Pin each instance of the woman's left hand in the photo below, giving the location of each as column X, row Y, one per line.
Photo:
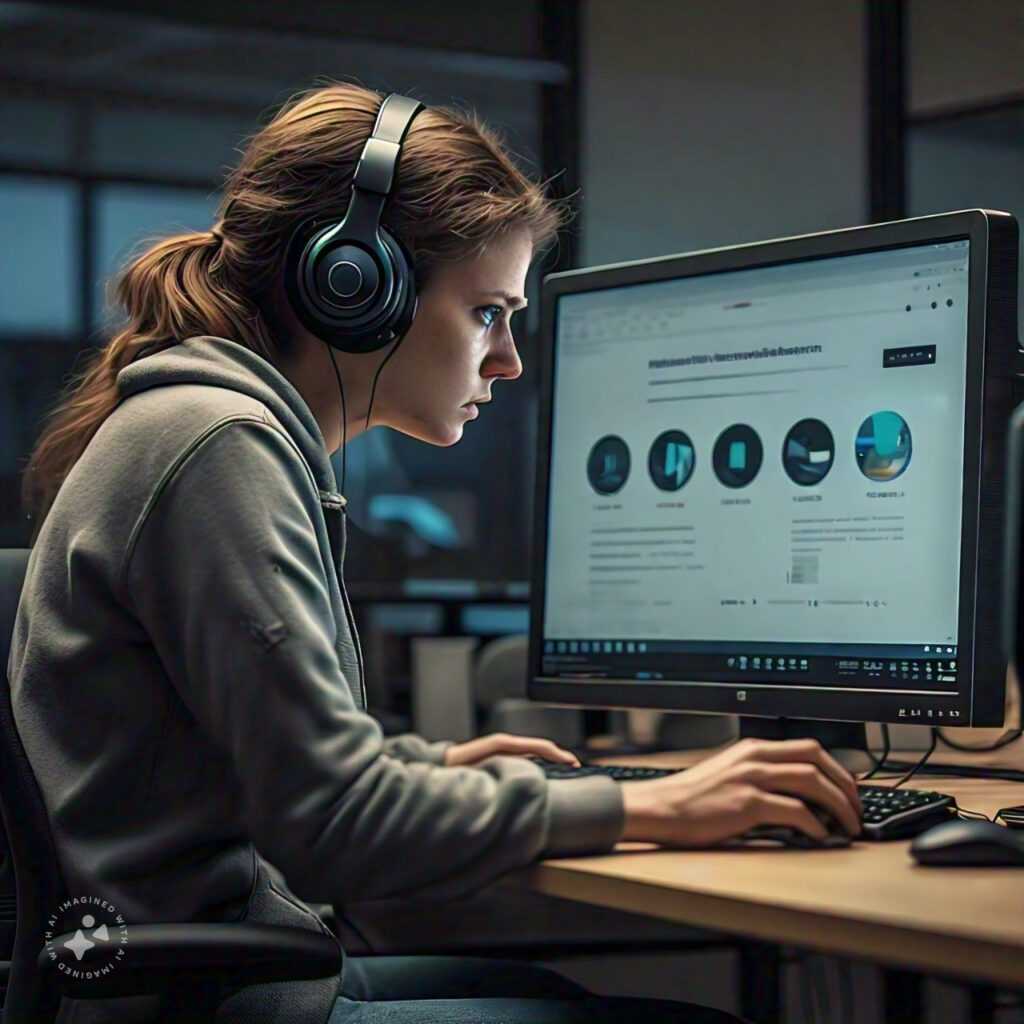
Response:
column 475, row 752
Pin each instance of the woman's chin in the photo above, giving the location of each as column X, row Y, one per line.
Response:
column 441, row 436
column 453, row 435
column 442, row 433
column 450, row 432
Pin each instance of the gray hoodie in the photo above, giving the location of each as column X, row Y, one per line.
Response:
column 187, row 682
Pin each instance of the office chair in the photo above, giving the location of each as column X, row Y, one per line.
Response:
column 189, row 966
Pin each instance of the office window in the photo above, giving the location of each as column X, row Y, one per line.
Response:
column 39, row 256
column 35, row 131
column 126, row 216
column 164, row 143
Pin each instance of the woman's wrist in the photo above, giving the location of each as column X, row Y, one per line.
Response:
column 643, row 812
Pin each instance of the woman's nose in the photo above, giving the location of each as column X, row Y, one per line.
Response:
column 505, row 361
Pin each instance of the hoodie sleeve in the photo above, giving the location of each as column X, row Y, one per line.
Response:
column 410, row 747
column 226, row 576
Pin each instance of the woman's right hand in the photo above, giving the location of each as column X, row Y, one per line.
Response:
column 753, row 782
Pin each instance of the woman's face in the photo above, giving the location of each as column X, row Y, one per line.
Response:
column 459, row 344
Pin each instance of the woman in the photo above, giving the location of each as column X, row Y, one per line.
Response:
column 184, row 671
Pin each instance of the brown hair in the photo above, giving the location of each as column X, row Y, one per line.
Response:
column 456, row 188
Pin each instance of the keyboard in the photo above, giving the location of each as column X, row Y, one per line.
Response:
column 619, row 772
column 901, row 813
column 888, row 813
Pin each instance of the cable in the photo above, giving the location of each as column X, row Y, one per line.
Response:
column 965, row 812
column 1013, row 817
column 1004, row 741
column 376, row 377
column 344, row 415
column 920, row 764
column 959, row 771
column 885, row 753
column 344, row 411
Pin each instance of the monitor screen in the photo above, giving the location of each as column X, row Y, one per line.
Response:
column 757, row 481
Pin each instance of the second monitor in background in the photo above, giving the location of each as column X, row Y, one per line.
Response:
column 771, row 478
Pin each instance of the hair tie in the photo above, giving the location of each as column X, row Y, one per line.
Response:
column 215, row 233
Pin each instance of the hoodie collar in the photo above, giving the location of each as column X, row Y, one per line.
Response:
column 226, row 364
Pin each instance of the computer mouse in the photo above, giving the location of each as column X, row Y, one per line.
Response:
column 967, row 843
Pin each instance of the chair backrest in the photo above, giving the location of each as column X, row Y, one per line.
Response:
column 39, row 890
column 13, row 563
column 8, row 607
column 499, row 689
column 500, row 670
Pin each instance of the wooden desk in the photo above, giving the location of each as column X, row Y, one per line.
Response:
column 870, row 901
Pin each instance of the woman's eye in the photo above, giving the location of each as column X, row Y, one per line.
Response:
column 490, row 313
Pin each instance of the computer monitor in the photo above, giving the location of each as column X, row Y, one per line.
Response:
column 771, row 478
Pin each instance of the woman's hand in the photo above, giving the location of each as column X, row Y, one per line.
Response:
column 753, row 782
column 475, row 752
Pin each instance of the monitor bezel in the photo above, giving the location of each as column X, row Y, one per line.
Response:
column 992, row 363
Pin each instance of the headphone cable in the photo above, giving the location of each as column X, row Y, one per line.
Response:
column 344, row 415
column 344, row 411
column 376, row 377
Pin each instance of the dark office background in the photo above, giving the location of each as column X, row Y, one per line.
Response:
column 685, row 125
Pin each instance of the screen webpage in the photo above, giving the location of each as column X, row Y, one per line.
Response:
column 763, row 461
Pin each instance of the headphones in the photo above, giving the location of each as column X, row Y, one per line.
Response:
column 350, row 281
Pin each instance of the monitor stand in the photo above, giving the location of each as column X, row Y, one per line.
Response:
column 847, row 742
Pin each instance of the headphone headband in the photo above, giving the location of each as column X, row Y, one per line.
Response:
column 375, row 171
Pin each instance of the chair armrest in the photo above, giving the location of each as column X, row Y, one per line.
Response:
column 147, row 958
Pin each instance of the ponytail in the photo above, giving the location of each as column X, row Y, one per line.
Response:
column 175, row 290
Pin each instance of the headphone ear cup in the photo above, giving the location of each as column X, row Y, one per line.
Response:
column 354, row 296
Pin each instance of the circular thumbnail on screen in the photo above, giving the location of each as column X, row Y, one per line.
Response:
column 808, row 452
column 608, row 465
column 737, row 455
column 883, row 446
column 671, row 460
